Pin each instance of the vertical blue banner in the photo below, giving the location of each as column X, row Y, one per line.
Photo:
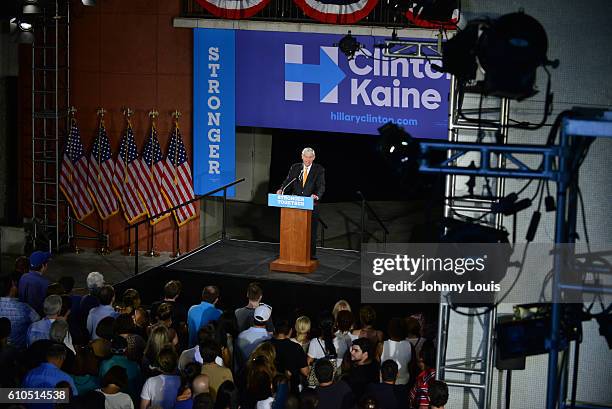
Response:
column 214, row 110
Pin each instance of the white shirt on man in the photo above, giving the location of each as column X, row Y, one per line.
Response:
column 161, row 390
column 117, row 400
column 401, row 353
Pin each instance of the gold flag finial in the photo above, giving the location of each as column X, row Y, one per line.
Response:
column 153, row 114
column 72, row 111
column 101, row 112
column 176, row 114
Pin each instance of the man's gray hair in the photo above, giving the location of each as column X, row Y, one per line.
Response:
column 308, row 152
column 58, row 331
column 95, row 280
column 52, row 305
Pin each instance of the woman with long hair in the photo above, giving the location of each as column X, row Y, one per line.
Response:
column 302, row 332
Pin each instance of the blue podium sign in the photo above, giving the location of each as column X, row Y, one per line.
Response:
column 291, row 201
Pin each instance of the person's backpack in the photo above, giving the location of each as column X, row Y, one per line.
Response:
column 312, row 380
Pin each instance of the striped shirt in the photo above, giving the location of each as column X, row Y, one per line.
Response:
column 419, row 395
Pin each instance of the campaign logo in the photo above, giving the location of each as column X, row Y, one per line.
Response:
column 326, row 74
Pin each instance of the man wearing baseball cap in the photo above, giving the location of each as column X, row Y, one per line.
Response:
column 33, row 284
column 249, row 338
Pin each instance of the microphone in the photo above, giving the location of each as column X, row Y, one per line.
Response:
column 287, row 185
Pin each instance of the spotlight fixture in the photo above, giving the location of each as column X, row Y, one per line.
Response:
column 349, row 45
column 21, row 31
column 508, row 50
column 31, row 7
column 397, row 144
column 88, row 2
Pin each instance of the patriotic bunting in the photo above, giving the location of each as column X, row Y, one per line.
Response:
column 336, row 11
column 233, row 9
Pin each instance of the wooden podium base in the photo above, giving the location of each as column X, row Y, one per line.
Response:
column 293, row 267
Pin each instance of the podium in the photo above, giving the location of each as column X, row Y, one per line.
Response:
column 295, row 230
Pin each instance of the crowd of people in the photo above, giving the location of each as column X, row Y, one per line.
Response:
column 111, row 351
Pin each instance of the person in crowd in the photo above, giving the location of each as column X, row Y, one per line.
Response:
column 203, row 313
column 290, row 357
column 48, row 373
column 84, row 373
column 171, row 293
column 95, row 281
column 33, row 284
column 398, row 348
column 113, row 382
column 388, row 393
column 131, row 300
column 227, row 396
column 203, row 401
column 244, row 315
column 106, row 296
column 344, row 324
column 263, row 358
column 419, row 394
column 309, row 399
column 217, row 374
column 413, row 334
column 52, row 308
column 341, row 305
column 302, row 332
column 327, row 344
column 159, row 337
column 193, row 354
column 332, row 395
column 226, row 332
column 76, row 329
column 162, row 390
column 256, row 334
column 20, row 314
column 59, row 333
column 364, row 367
column 22, row 266
column 124, row 327
column 438, row 394
column 141, row 322
column 279, row 394
column 8, row 356
column 164, row 315
column 184, row 400
column 367, row 320
column 119, row 358
column 367, row 402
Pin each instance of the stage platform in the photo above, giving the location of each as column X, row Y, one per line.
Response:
column 249, row 259
column 232, row 264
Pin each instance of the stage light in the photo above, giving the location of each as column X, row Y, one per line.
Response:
column 399, row 145
column 88, row 2
column 605, row 328
column 31, row 7
column 507, row 50
column 464, row 240
column 21, row 31
column 349, row 46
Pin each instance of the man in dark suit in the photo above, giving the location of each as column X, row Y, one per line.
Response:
column 307, row 179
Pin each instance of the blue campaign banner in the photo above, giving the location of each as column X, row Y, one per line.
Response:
column 214, row 110
column 302, row 81
column 292, row 201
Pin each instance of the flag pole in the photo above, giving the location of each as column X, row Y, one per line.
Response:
column 176, row 115
column 152, row 253
column 127, row 113
column 104, row 248
column 72, row 113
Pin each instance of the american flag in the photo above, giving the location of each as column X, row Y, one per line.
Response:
column 150, row 168
column 101, row 169
column 73, row 175
column 125, row 179
column 177, row 181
